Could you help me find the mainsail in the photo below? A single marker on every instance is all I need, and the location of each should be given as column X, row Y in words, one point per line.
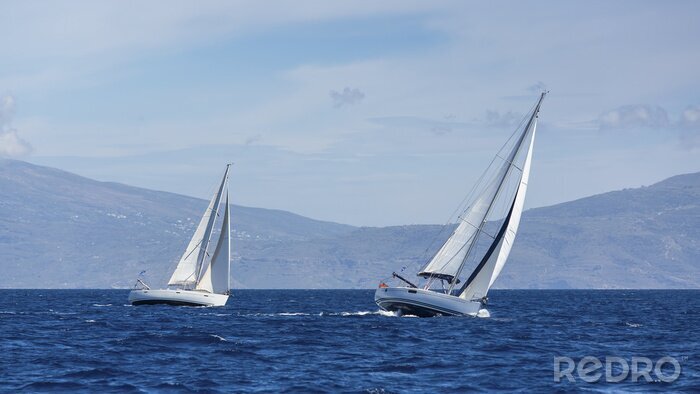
column 482, row 278
column 187, row 270
column 451, row 258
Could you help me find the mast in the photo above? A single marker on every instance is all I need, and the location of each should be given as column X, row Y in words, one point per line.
column 481, row 279
column 216, row 276
column 509, row 161
column 217, row 206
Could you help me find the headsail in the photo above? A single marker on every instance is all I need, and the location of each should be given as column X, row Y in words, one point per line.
column 216, row 276
column 191, row 261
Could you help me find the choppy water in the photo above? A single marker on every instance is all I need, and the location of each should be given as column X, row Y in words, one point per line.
column 335, row 341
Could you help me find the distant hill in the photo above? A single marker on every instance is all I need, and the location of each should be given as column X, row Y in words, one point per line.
column 61, row 230
column 58, row 229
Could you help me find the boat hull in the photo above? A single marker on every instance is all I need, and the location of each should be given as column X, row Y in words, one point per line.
column 423, row 303
column 176, row 297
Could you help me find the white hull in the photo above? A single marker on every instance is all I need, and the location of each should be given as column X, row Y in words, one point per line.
column 177, row 297
column 424, row 303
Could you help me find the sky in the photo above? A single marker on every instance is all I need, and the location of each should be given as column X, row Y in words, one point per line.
column 359, row 112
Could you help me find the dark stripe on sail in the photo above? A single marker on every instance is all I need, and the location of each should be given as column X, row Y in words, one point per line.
column 483, row 261
column 510, row 159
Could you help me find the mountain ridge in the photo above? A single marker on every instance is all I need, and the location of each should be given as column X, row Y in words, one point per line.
column 58, row 229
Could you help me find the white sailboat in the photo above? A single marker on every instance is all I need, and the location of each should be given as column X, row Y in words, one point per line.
column 202, row 277
column 481, row 241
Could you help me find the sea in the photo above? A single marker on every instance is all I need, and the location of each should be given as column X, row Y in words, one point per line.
column 337, row 341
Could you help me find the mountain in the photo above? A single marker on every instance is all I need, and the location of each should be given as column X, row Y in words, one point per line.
column 61, row 230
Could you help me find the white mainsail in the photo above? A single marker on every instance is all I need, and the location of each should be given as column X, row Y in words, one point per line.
column 216, row 276
column 447, row 261
column 481, row 281
column 191, row 261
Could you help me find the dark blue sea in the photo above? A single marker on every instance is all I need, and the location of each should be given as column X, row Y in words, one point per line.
column 337, row 341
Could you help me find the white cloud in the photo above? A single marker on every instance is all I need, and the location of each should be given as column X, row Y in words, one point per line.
column 689, row 123
column 7, row 109
column 633, row 117
column 690, row 118
column 11, row 145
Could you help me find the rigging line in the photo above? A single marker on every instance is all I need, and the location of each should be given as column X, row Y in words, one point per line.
column 510, row 162
column 461, row 206
column 516, row 149
column 517, row 128
column 488, row 254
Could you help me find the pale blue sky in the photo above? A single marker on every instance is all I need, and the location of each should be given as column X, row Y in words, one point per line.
column 364, row 113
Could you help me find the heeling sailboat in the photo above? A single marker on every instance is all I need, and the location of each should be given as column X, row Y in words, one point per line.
column 497, row 201
column 201, row 278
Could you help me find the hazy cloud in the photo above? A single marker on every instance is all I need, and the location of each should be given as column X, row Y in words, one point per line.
column 690, row 118
column 347, row 96
column 634, row 116
column 252, row 139
column 11, row 145
column 689, row 123
column 498, row 119
column 444, row 127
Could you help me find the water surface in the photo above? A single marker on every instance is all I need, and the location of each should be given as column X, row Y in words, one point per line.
column 336, row 341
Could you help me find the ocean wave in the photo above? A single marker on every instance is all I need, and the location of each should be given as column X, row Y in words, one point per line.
column 219, row 337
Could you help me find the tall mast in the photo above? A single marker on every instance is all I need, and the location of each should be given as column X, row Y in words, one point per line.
column 205, row 253
column 509, row 160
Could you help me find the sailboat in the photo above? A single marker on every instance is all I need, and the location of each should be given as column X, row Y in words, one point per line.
column 201, row 277
column 459, row 275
